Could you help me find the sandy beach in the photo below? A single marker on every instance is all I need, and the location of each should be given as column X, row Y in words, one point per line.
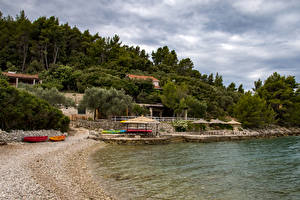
column 50, row 170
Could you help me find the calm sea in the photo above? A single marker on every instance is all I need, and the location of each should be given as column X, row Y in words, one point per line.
column 249, row 169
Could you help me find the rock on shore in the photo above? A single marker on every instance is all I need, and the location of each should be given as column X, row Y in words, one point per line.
column 49, row 170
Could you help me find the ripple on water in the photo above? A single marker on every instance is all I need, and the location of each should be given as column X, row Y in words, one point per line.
column 252, row 169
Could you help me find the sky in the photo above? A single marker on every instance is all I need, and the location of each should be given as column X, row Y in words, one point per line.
column 242, row 40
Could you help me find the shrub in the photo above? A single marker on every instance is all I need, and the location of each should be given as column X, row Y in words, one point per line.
column 21, row 110
column 181, row 125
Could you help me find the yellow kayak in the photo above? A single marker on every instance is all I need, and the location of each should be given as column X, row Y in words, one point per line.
column 57, row 138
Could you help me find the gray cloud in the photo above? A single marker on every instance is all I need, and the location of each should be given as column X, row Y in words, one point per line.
column 241, row 39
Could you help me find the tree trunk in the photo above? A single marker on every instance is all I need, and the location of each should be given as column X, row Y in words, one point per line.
column 55, row 53
column 25, row 50
column 46, row 57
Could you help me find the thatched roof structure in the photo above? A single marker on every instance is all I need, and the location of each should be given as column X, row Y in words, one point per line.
column 140, row 120
column 200, row 121
column 233, row 122
column 217, row 121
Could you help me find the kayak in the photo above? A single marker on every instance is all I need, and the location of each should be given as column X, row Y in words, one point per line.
column 113, row 131
column 35, row 139
column 57, row 138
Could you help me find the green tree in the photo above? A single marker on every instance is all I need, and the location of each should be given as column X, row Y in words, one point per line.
column 218, row 80
column 185, row 66
column 231, row 87
column 52, row 96
column 21, row 110
column 195, row 108
column 241, row 89
column 252, row 111
column 172, row 95
column 279, row 93
column 257, row 85
column 109, row 103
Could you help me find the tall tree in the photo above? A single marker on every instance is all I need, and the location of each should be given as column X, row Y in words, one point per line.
column 253, row 111
column 23, row 34
column 279, row 93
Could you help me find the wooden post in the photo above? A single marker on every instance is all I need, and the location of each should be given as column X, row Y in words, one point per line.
column 17, row 82
column 151, row 111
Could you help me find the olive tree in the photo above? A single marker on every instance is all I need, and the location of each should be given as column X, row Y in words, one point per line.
column 108, row 102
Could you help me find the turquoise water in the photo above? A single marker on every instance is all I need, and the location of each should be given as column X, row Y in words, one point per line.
column 251, row 169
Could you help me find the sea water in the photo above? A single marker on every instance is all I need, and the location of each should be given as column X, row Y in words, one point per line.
column 249, row 169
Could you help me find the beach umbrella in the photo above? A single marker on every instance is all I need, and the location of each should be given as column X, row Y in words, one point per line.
column 233, row 122
column 200, row 121
column 141, row 120
column 217, row 121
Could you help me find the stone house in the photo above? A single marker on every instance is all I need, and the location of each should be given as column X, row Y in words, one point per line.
column 155, row 81
column 15, row 78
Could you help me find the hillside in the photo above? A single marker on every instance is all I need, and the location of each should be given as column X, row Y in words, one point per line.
column 71, row 60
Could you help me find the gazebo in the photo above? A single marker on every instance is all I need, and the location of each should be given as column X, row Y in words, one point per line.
column 140, row 125
column 235, row 125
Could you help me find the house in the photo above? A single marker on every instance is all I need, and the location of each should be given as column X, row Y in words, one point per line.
column 141, row 77
column 75, row 113
column 14, row 78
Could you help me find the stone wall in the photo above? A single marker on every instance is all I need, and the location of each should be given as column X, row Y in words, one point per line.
column 18, row 135
column 165, row 128
column 97, row 125
column 72, row 113
column 248, row 132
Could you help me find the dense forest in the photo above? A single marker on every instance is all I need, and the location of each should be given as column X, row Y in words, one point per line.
column 71, row 60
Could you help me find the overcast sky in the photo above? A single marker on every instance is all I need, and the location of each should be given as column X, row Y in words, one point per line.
column 243, row 40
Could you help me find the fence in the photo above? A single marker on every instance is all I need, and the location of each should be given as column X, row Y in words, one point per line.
column 160, row 119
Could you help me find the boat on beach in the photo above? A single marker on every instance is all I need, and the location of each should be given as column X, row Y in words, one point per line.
column 35, row 138
column 57, row 138
column 113, row 131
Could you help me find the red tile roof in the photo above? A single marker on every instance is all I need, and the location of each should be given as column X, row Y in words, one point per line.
column 24, row 76
column 142, row 77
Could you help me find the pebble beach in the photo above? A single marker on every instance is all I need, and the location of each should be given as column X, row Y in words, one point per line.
column 50, row 170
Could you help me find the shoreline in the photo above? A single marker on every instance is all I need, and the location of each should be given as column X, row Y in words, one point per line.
column 202, row 137
column 50, row 170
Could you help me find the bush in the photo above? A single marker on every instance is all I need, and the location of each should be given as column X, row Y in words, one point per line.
column 181, row 125
column 21, row 110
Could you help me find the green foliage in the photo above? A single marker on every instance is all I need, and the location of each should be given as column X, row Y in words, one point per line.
column 172, row 96
column 109, row 103
column 181, row 125
column 138, row 110
column 71, row 60
column 21, row 110
column 252, row 111
column 280, row 93
column 52, row 96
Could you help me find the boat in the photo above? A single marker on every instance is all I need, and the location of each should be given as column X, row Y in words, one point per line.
column 138, row 131
column 57, row 138
column 113, row 131
column 35, row 138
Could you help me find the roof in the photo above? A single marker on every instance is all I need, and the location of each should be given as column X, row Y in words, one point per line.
column 201, row 121
column 24, row 76
column 233, row 122
column 142, row 77
column 217, row 121
column 141, row 120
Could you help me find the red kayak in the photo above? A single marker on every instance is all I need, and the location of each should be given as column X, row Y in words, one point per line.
column 35, row 139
